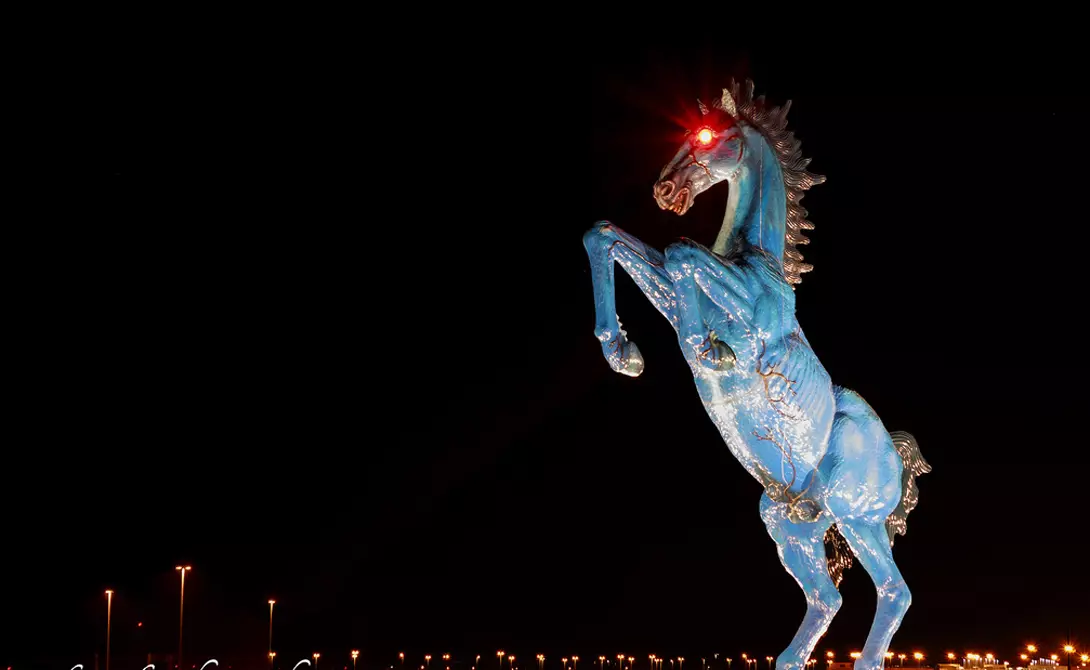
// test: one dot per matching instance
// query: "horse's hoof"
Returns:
(634, 361)
(628, 360)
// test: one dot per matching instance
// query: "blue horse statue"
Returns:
(836, 483)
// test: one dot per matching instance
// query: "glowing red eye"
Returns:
(705, 136)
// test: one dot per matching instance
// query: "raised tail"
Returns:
(915, 465)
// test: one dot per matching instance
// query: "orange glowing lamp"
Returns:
(705, 136)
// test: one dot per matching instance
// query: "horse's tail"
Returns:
(915, 465)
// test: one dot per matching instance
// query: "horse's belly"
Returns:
(770, 436)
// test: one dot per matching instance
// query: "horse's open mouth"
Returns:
(677, 202)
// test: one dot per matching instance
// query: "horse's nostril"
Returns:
(663, 189)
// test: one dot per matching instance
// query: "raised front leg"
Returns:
(607, 244)
(695, 270)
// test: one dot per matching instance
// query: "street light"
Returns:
(918, 656)
(1067, 648)
(315, 656)
(355, 655)
(272, 658)
(181, 611)
(109, 602)
(271, 603)
(575, 662)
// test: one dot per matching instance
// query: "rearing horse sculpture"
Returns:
(834, 478)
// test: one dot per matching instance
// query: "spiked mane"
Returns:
(771, 122)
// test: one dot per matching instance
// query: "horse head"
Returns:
(712, 152)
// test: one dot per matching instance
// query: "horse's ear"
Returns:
(702, 107)
(727, 104)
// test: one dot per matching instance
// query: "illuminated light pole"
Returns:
(315, 656)
(511, 662)
(601, 662)
(769, 659)
(1067, 649)
(499, 655)
(427, 658)
(901, 658)
(918, 656)
(271, 603)
(728, 660)
(109, 603)
(355, 655)
(401, 657)
(272, 658)
(181, 611)
(540, 662)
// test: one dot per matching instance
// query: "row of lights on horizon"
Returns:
(181, 613)
(656, 662)
(316, 655)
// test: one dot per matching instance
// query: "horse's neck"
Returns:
(757, 205)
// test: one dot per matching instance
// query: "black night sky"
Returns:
(325, 334)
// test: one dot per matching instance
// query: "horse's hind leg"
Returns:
(802, 551)
(870, 544)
